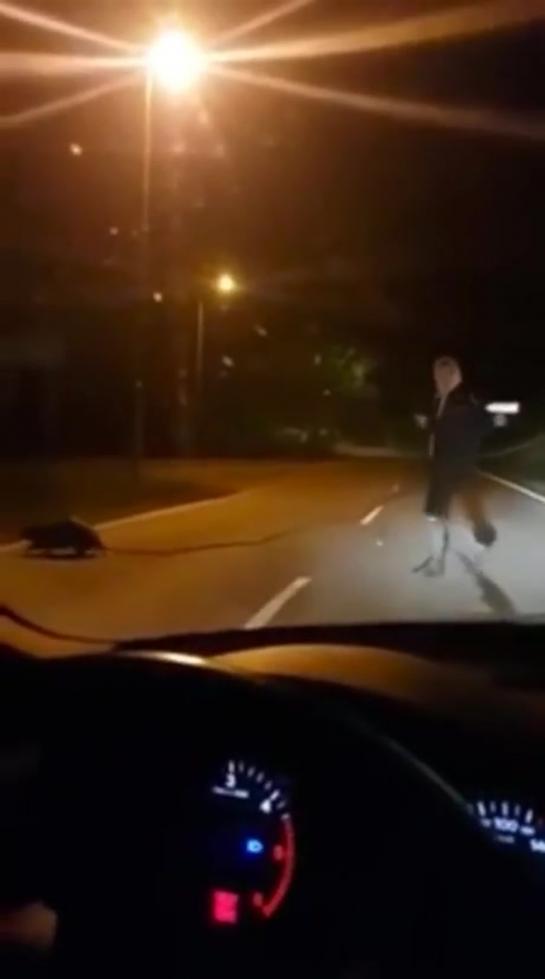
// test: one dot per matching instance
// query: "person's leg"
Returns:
(438, 535)
(481, 533)
(436, 511)
(438, 530)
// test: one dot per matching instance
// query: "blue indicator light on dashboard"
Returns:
(254, 846)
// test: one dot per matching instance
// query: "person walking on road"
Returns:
(457, 428)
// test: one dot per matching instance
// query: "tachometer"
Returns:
(251, 844)
(512, 824)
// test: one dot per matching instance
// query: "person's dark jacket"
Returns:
(457, 433)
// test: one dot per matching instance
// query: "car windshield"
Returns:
(271, 350)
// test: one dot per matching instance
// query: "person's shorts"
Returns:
(443, 486)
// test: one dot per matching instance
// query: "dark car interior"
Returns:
(187, 816)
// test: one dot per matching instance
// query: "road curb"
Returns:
(135, 518)
(163, 511)
(11, 548)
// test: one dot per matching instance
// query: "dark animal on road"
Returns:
(65, 538)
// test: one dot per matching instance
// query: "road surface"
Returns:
(323, 543)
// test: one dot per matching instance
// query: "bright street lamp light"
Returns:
(176, 61)
(226, 284)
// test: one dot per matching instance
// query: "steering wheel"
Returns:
(392, 876)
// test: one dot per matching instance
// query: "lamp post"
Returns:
(173, 64)
(225, 285)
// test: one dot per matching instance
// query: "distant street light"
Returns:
(226, 284)
(176, 61)
(504, 408)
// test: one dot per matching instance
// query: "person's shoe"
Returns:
(485, 534)
(435, 567)
(432, 567)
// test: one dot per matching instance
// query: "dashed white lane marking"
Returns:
(276, 604)
(365, 521)
(515, 486)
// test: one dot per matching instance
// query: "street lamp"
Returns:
(175, 61)
(224, 285)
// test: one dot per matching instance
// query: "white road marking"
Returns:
(515, 486)
(276, 604)
(372, 515)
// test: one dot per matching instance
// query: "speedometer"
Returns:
(251, 844)
(512, 824)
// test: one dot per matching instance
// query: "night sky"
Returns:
(435, 236)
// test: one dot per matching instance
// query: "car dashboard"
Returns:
(498, 777)
(241, 808)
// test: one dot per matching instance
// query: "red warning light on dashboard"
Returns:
(225, 907)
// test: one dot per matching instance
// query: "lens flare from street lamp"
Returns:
(176, 61)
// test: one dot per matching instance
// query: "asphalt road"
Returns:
(323, 543)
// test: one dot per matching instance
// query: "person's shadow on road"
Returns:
(492, 595)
